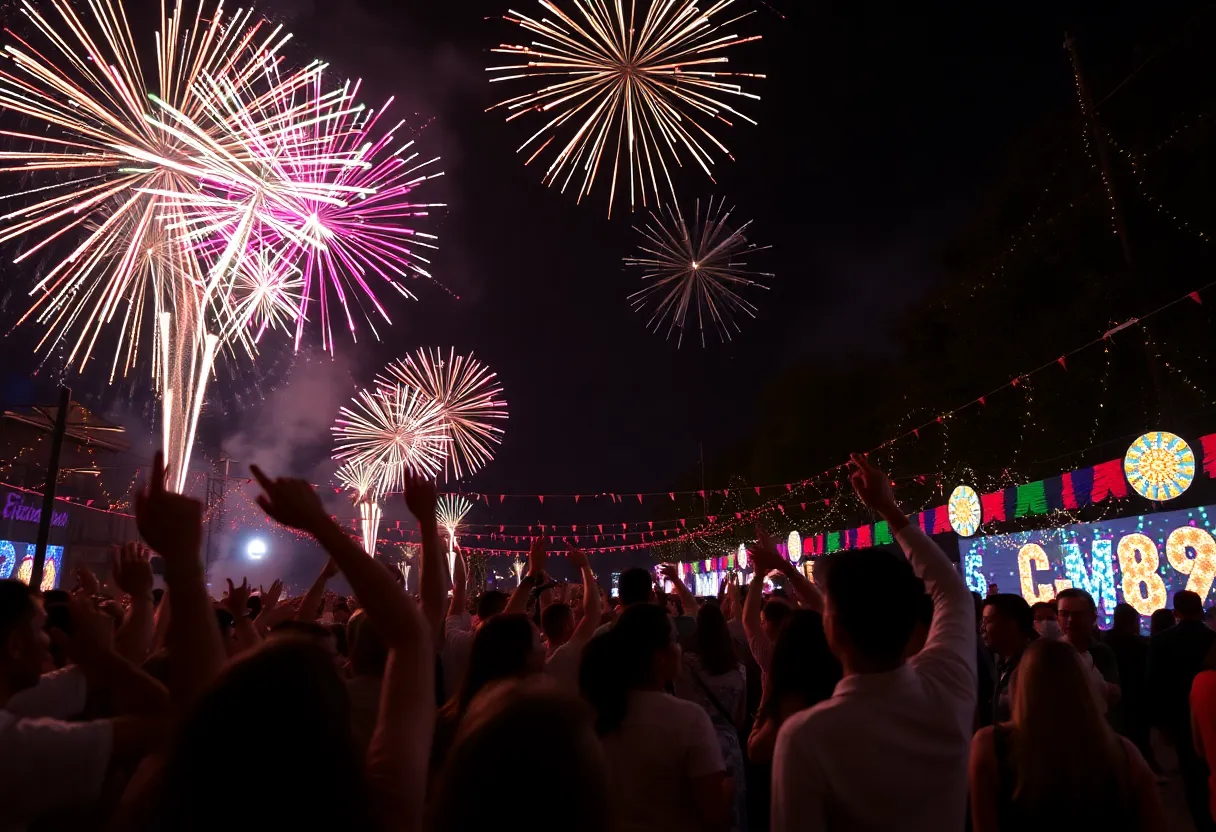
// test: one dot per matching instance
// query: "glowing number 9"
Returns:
(1202, 567)
(1138, 562)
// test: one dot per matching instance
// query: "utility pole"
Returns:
(48, 490)
(217, 488)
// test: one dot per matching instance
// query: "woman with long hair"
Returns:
(664, 763)
(712, 677)
(804, 673)
(507, 646)
(1057, 763)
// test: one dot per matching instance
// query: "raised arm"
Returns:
(172, 525)
(237, 604)
(591, 599)
(132, 574)
(691, 606)
(949, 651)
(398, 756)
(316, 593)
(420, 499)
(538, 556)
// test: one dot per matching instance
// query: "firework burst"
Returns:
(470, 401)
(450, 510)
(635, 92)
(695, 268)
(392, 430)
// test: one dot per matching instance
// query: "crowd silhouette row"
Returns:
(883, 695)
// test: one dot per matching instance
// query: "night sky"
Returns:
(881, 126)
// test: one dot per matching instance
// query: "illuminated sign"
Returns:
(1141, 560)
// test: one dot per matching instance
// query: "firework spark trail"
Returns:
(394, 430)
(470, 401)
(695, 267)
(364, 478)
(627, 93)
(449, 511)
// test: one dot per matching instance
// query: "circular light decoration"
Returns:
(793, 545)
(965, 511)
(1159, 465)
(742, 558)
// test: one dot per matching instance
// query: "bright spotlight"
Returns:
(256, 549)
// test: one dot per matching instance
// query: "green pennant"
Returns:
(882, 533)
(1032, 499)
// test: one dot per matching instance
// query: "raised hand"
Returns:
(236, 601)
(132, 570)
(538, 556)
(420, 498)
(669, 571)
(270, 597)
(872, 485)
(171, 524)
(86, 581)
(292, 502)
(578, 558)
(763, 553)
(92, 632)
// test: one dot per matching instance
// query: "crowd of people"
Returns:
(882, 696)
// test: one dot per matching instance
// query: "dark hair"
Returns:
(1188, 604)
(302, 628)
(1014, 608)
(290, 688)
(775, 611)
(712, 642)
(619, 660)
(803, 664)
(57, 596)
(16, 607)
(1160, 620)
(924, 610)
(253, 606)
(505, 716)
(1073, 592)
(874, 596)
(500, 650)
(634, 587)
(555, 619)
(368, 652)
(491, 603)
(1126, 619)
(1041, 605)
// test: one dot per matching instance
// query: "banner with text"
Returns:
(1139, 560)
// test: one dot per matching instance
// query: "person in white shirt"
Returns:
(566, 641)
(664, 762)
(47, 763)
(889, 749)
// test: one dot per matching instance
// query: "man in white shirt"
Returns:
(889, 749)
(566, 641)
(45, 762)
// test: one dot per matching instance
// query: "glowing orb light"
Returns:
(256, 549)
(793, 545)
(966, 513)
(1159, 465)
(742, 557)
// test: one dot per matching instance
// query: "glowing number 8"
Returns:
(1202, 567)
(1138, 562)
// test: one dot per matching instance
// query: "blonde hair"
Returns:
(1062, 744)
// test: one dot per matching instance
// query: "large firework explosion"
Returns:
(626, 92)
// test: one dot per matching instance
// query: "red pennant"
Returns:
(576, 496)
(983, 403)
(702, 493)
(672, 495)
(803, 506)
(650, 523)
(713, 518)
(624, 527)
(576, 538)
(601, 527)
(683, 522)
(757, 491)
(1016, 382)
(781, 508)
(725, 492)
(501, 497)
(916, 432)
(541, 497)
(789, 487)
(500, 528)
(529, 530)
(337, 490)
(826, 501)
(738, 515)
(1062, 362)
(939, 420)
(1195, 297)
(573, 528)
(597, 538)
(542, 528)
